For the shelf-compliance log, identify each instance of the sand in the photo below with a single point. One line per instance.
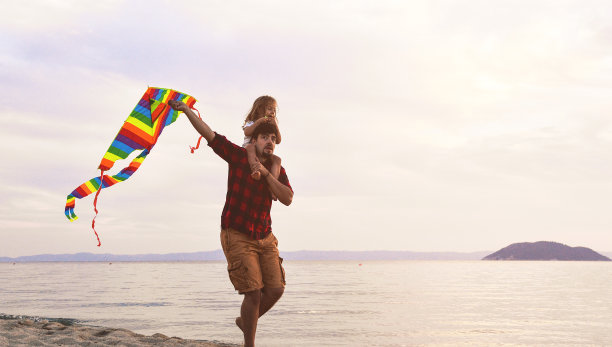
(29, 332)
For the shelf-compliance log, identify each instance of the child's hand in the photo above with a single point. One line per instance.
(271, 120)
(262, 169)
(178, 105)
(255, 166)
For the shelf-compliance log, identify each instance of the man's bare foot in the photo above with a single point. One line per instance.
(239, 323)
(256, 175)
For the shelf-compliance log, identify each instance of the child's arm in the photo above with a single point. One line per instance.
(278, 138)
(276, 166)
(248, 131)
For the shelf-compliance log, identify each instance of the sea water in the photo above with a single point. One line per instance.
(332, 303)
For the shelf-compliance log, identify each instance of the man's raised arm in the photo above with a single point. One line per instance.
(197, 123)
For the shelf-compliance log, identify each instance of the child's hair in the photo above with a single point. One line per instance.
(259, 108)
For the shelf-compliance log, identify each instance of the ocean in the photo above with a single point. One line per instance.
(332, 303)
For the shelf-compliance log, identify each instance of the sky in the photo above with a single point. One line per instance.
(407, 125)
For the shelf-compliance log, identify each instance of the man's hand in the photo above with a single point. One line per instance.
(178, 105)
(259, 167)
(278, 190)
(197, 122)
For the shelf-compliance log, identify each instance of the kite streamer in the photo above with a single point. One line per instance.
(140, 131)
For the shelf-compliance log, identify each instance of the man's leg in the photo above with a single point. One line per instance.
(249, 314)
(245, 274)
(268, 298)
(273, 274)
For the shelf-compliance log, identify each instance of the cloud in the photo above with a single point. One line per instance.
(441, 126)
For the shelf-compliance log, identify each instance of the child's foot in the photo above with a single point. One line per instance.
(256, 175)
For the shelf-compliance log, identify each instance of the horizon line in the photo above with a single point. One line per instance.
(220, 250)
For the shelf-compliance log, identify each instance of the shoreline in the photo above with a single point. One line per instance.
(27, 331)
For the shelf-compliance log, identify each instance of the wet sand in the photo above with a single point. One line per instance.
(28, 332)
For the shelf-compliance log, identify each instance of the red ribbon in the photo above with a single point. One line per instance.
(200, 139)
(93, 221)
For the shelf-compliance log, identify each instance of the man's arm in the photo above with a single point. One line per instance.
(282, 192)
(197, 123)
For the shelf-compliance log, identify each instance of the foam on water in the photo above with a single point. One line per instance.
(64, 321)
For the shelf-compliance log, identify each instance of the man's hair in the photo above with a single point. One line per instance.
(264, 128)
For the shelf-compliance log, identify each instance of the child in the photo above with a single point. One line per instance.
(263, 110)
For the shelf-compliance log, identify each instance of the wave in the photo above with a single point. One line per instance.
(64, 321)
(129, 304)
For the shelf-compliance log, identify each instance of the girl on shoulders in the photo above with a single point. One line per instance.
(263, 110)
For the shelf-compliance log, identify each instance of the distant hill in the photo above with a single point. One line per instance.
(194, 256)
(545, 250)
(218, 255)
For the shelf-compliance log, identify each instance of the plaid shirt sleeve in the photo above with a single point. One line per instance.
(282, 178)
(227, 150)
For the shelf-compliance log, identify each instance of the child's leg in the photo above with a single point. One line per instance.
(275, 170)
(276, 165)
(252, 158)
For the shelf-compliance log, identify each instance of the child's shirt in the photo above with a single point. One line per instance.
(247, 139)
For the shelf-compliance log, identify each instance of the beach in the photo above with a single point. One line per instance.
(42, 332)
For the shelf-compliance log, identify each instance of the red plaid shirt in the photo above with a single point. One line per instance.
(248, 202)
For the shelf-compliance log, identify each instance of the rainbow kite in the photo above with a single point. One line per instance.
(140, 131)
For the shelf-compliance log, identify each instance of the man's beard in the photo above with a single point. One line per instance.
(265, 154)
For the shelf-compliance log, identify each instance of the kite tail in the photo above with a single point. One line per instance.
(96, 184)
(69, 209)
(93, 221)
(91, 186)
(200, 139)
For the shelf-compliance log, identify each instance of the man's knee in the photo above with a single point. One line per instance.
(274, 292)
(253, 297)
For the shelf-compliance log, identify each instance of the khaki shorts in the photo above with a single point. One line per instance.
(252, 264)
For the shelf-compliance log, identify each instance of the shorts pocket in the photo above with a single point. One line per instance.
(237, 274)
(282, 270)
(225, 240)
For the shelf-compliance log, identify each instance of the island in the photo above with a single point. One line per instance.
(545, 250)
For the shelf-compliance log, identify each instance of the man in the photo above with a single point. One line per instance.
(253, 262)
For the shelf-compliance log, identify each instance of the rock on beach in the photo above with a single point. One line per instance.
(28, 332)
